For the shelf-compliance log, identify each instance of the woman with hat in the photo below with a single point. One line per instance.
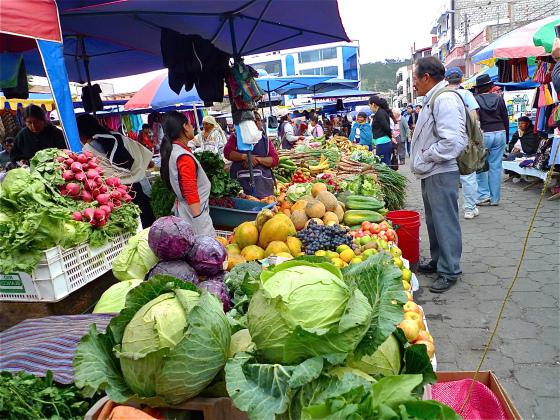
(212, 138)
(494, 122)
(263, 158)
(524, 141)
(286, 131)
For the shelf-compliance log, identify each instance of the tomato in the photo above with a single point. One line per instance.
(374, 228)
(366, 225)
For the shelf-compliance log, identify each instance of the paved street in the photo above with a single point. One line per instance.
(525, 354)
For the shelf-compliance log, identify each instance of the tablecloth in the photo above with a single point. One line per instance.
(39, 345)
(514, 166)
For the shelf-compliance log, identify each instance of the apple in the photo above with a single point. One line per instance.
(415, 316)
(384, 225)
(408, 296)
(366, 225)
(412, 307)
(410, 329)
(365, 239)
(430, 348)
(406, 274)
(382, 243)
(391, 235)
(424, 335)
(397, 262)
(375, 228)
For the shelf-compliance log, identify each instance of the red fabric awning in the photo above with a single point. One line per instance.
(36, 19)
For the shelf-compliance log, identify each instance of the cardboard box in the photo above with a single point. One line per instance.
(491, 381)
(211, 408)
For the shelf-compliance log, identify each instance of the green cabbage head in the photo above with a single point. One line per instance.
(304, 309)
(136, 258)
(385, 361)
(164, 347)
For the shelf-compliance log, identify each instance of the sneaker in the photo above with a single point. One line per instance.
(471, 214)
(483, 201)
(494, 204)
(429, 267)
(441, 284)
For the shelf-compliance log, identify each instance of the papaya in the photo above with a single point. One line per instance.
(317, 188)
(299, 205)
(294, 245)
(234, 259)
(252, 253)
(275, 248)
(276, 229)
(299, 218)
(246, 234)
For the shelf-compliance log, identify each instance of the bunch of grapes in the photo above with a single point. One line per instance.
(317, 237)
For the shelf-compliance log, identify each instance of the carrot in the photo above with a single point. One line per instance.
(123, 412)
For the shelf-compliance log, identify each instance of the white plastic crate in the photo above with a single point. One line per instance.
(60, 272)
(224, 233)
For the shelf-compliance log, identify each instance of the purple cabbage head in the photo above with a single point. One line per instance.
(207, 256)
(171, 238)
(178, 269)
(217, 287)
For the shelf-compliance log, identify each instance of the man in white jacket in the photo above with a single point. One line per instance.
(439, 137)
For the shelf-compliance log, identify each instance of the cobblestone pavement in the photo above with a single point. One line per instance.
(525, 354)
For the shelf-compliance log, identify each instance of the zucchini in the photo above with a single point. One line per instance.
(358, 202)
(356, 217)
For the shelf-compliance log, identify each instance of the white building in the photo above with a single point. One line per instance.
(337, 59)
(404, 86)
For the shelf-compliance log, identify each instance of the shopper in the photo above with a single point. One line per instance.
(404, 139)
(183, 174)
(212, 138)
(263, 158)
(314, 129)
(381, 128)
(454, 77)
(8, 145)
(400, 144)
(494, 122)
(120, 157)
(439, 137)
(38, 134)
(411, 118)
(145, 137)
(286, 131)
(361, 131)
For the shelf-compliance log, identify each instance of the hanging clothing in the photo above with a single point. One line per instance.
(9, 121)
(194, 61)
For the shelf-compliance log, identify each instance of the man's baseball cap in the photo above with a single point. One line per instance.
(453, 72)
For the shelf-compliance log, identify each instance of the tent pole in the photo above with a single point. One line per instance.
(88, 75)
(269, 98)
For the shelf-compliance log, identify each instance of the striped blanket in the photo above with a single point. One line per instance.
(39, 345)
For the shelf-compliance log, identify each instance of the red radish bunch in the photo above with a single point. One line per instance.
(84, 182)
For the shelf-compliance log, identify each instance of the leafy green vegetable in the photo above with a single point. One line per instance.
(113, 299)
(164, 347)
(384, 361)
(222, 184)
(25, 396)
(296, 191)
(136, 258)
(305, 309)
(393, 186)
(161, 199)
(242, 282)
(380, 281)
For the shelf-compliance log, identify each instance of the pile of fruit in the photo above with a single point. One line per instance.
(360, 209)
(414, 327)
(375, 231)
(268, 235)
(322, 206)
(316, 237)
(301, 176)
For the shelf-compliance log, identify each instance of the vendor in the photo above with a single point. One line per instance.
(145, 137)
(361, 131)
(263, 158)
(38, 134)
(524, 141)
(315, 128)
(286, 131)
(7, 144)
(212, 138)
(182, 173)
(120, 157)
(381, 128)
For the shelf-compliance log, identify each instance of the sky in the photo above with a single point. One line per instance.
(385, 29)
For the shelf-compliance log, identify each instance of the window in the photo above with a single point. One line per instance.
(273, 68)
(317, 55)
(321, 71)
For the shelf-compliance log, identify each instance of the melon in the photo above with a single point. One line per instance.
(330, 217)
(328, 199)
(315, 209)
(299, 218)
(317, 188)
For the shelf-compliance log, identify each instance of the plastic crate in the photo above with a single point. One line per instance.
(60, 272)
(242, 211)
(226, 234)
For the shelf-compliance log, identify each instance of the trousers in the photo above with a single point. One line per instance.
(440, 193)
(469, 185)
(490, 182)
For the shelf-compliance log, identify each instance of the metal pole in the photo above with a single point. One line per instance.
(269, 98)
(88, 76)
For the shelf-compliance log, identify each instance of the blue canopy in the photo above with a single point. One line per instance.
(326, 86)
(275, 84)
(343, 93)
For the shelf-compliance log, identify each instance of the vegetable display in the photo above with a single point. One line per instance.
(207, 256)
(63, 200)
(161, 199)
(393, 186)
(113, 299)
(222, 184)
(136, 258)
(178, 269)
(165, 346)
(171, 238)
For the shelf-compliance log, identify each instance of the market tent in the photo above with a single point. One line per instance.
(517, 43)
(326, 86)
(157, 94)
(545, 36)
(493, 73)
(34, 98)
(344, 93)
(275, 84)
(23, 31)
(238, 27)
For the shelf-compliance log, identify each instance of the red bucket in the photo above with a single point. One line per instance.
(407, 225)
